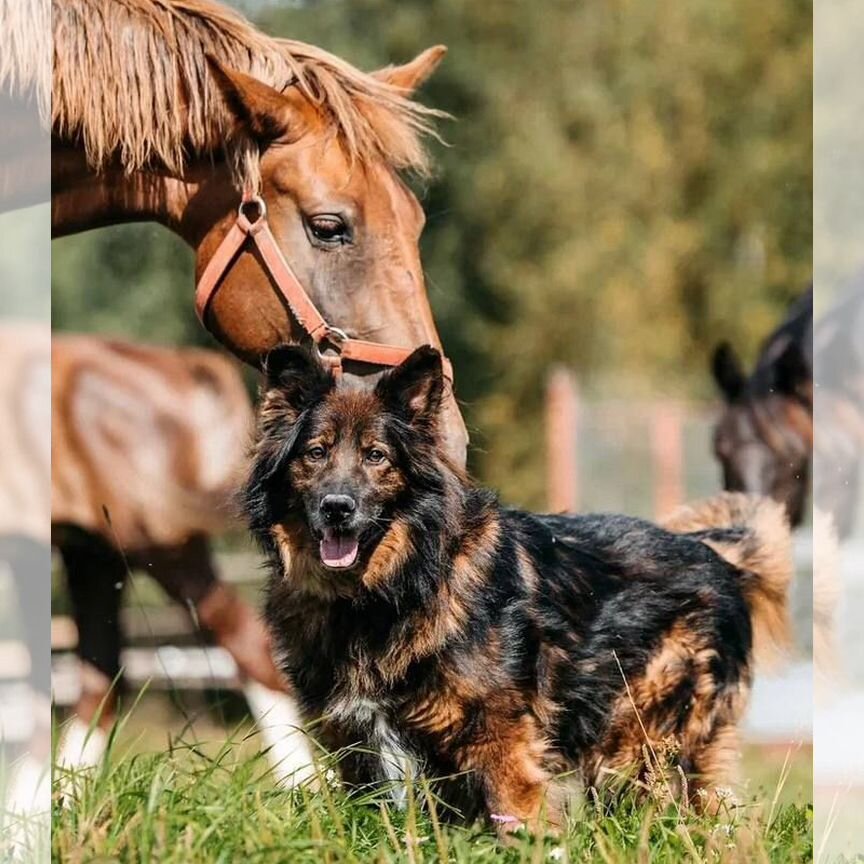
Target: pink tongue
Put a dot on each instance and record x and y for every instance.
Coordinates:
(337, 551)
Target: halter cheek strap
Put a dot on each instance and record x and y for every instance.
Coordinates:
(287, 284)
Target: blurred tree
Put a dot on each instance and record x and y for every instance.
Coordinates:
(129, 280)
(626, 183)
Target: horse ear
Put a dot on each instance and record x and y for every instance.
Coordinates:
(792, 374)
(294, 381)
(266, 113)
(410, 76)
(727, 371)
(416, 386)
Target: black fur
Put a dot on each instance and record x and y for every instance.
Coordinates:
(540, 619)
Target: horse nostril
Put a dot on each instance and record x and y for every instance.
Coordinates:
(337, 508)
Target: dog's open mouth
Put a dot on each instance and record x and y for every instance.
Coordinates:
(338, 550)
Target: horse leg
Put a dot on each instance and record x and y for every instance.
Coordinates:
(28, 780)
(95, 574)
(187, 574)
(28, 562)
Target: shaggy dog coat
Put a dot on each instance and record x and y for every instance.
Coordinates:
(422, 621)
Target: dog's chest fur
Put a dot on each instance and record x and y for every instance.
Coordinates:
(397, 763)
(338, 660)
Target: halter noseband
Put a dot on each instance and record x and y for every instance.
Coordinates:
(305, 312)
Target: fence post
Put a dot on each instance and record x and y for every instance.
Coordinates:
(667, 448)
(562, 439)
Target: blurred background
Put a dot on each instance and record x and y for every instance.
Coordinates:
(25, 406)
(625, 184)
(622, 186)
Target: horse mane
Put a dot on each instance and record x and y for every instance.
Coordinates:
(25, 70)
(131, 83)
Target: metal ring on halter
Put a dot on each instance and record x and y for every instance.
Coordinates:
(341, 335)
(328, 357)
(258, 201)
(334, 337)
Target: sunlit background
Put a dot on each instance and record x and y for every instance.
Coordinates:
(622, 185)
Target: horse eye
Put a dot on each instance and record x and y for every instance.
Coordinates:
(375, 456)
(316, 453)
(329, 229)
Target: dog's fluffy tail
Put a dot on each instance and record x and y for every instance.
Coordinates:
(752, 533)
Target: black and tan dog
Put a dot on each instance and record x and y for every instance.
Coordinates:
(419, 618)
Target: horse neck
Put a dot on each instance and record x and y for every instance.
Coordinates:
(188, 205)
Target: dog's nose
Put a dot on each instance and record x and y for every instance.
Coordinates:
(337, 509)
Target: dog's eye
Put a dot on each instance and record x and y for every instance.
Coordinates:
(316, 453)
(375, 456)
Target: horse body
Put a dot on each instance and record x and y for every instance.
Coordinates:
(148, 444)
(25, 467)
(764, 438)
(163, 111)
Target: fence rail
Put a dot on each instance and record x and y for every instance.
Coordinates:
(638, 457)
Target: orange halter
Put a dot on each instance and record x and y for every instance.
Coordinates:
(342, 347)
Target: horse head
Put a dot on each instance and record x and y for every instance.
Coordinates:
(347, 222)
(763, 438)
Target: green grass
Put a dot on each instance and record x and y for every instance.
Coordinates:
(192, 802)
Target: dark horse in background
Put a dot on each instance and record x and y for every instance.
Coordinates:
(764, 437)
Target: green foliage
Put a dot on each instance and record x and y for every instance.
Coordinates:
(626, 183)
(25, 277)
(131, 280)
(192, 803)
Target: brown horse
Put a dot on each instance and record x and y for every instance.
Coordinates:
(164, 110)
(147, 446)
(25, 468)
(764, 437)
(25, 99)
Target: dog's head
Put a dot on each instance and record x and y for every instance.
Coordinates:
(333, 466)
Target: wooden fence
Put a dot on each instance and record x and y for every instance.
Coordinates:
(638, 457)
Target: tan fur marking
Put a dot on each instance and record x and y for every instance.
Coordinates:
(425, 634)
(509, 760)
(640, 736)
(440, 715)
(472, 563)
(765, 552)
(390, 554)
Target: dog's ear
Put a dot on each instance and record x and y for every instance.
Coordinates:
(415, 387)
(294, 380)
(727, 371)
